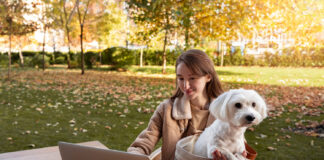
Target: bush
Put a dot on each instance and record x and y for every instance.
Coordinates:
(249, 60)
(37, 60)
(237, 59)
(90, 59)
(3, 60)
(118, 57)
(74, 64)
(155, 57)
(60, 60)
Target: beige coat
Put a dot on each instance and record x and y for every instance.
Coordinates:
(171, 122)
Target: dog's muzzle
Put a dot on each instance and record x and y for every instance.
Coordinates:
(250, 118)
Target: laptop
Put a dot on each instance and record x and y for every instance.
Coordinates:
(70, 151)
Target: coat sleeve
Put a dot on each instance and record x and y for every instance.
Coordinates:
(148, 138)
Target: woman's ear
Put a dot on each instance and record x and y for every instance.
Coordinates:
(208, 78)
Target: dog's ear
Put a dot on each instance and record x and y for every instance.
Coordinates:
(263, 108)
(262, 105)
(218, 107)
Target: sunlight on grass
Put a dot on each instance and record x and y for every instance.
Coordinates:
(251, 75)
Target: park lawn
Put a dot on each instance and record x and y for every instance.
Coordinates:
(286, 76)
(39, 109)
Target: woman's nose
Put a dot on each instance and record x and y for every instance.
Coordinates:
(186, 84)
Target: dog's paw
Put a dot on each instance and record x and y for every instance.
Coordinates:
(241, 156)
(227, 155)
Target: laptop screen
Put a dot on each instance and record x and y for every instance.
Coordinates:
(71, 151)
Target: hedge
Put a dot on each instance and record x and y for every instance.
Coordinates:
(122, 58)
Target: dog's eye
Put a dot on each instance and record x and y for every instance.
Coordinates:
(253, 104)
(238, 105)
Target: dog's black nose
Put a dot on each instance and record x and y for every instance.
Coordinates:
(250, 118)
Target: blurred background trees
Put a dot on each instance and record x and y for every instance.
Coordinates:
(229, 30)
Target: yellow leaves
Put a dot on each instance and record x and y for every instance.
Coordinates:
(134, 97)
(116, 96)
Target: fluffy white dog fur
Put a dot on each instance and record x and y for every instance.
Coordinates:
(234, 110)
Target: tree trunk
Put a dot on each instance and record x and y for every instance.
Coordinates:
(223, 52)
(100, 54)
(165, 42)
(54, 49)
(141, 58)
(21, 57)
(82, 55)
(44, 38)
(187, 38)
(9, 53)
(69, 45)
(164, 51)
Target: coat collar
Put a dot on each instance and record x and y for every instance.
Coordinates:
(181, 108)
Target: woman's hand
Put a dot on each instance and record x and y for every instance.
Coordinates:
(218, 155)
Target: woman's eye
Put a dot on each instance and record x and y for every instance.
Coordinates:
(181, 79)
(192, 78)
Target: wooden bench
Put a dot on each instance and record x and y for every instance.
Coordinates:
(47, 153)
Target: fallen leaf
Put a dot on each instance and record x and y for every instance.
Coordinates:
(32, 145)
(271, 148)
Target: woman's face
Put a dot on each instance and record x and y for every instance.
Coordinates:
(192, 85)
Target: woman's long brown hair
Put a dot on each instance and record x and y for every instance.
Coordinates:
(199, 63)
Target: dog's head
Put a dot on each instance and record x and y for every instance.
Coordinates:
(239, 107)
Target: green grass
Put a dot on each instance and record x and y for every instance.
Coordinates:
(287, 144)
(257, 75)
(273, 76)
(38, 108)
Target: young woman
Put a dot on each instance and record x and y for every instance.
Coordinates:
(186, 112)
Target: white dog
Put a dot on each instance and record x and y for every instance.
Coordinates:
(234, 111)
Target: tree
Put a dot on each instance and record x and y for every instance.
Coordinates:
(187, 21)
(12, 21)
(227, 20)
(82, 17)
(108, 25)
(65, 19)
(46, 23)
(298, 20)
(105, 24)
(158, 16)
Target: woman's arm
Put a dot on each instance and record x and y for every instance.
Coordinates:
(148, 138)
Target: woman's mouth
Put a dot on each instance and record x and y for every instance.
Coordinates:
(188, 92)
